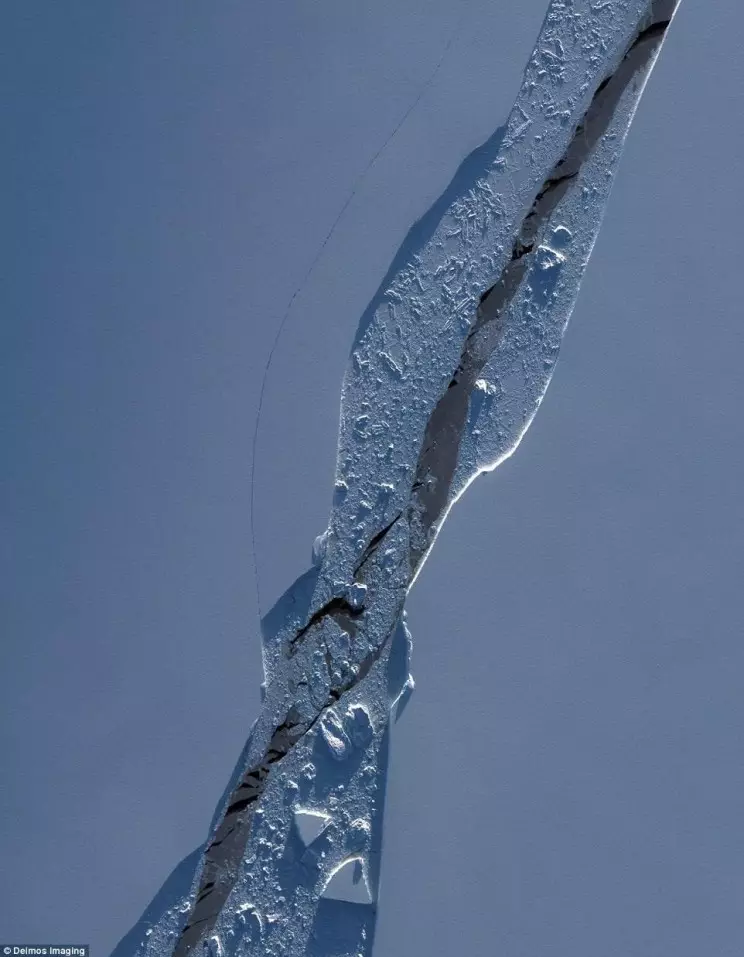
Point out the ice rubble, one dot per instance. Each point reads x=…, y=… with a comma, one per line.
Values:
x=450, y=363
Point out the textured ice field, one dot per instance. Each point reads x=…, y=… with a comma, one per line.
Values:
x=449, y=365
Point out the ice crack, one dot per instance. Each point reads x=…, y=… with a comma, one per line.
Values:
x=453, y=411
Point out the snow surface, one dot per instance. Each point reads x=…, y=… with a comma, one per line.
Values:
x=451, y=361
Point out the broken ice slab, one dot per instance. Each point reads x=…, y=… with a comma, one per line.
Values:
x=335, y=736
x=310, y=824
x=348, y=883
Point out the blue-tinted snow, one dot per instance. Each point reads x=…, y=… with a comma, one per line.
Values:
x=333, y=645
